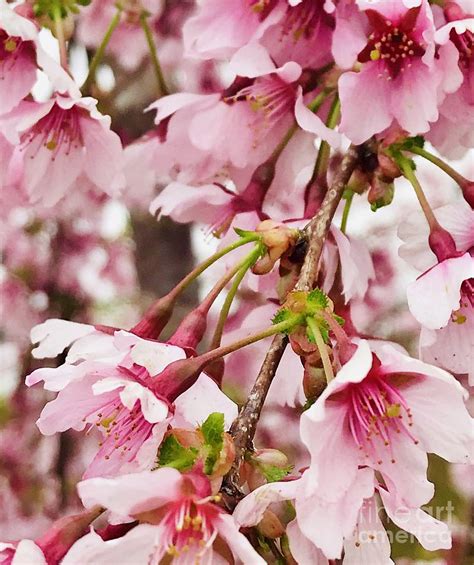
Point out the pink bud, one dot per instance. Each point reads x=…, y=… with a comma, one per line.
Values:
x=56, y=542
x=442, y=243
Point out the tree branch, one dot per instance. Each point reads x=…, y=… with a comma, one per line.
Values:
x=244, y=426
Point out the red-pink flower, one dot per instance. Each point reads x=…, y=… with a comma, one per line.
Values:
x=400, y=79
x=453, y=133
x=386, y=411
x=442, y=298
x=111, y=382
x=61, y=139
x=180, y=521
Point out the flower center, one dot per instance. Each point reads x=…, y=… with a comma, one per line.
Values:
x=465, y=45
x=377, y=411
x=58, y=131
x=189, y=528
x=11, y=49
x=304, y=20
x=394, y=45
x=262, y=7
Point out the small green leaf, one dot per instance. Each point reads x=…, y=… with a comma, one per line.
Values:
x=173, y=454
x=243, y=233
x=213, y=434
x=282, y=316
x=318, y=299
x=339, y=320
x=273, y=473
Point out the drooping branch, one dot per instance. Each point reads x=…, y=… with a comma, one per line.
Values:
x=244, y=426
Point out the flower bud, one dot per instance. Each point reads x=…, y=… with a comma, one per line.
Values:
x=381, y=191
x=270, y=525
x=270, y=457
x=277, y=239
x=314, y=381
x=56, y=542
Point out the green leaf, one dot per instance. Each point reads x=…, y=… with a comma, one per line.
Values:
x=173, y=454
x=415, y=141
x=282, y=316
x=213, y=434
x=317, y=299
x=243, y=233
x=273, y=473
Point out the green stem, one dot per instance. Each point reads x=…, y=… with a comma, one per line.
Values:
x=345, y=212
x=322, y=160
x=457, y=177
x=98, y=55
x=197, y=271
x=154, y=54
x=322, y=347
x=210, y=356
x=246, y=264
x=59, y=32
x=407, y=170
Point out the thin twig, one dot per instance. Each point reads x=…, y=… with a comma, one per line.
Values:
x=244, y=426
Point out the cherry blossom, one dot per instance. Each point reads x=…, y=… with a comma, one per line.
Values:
x=180, y=519
x=61, y=139
x=395, y=46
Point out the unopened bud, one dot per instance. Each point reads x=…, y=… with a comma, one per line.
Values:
x=155, y=319
x=442, y=244
x=56, y=542
x=468, y=192
x=388, y=167
x=270, y=457
x=191, y=330
x=381, y=192
x=270, y=525
x=314, y=381
x=278, y=239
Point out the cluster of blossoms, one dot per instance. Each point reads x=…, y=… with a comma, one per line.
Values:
x=285, y=423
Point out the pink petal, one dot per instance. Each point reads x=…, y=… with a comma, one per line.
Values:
x=364, y=94
x=170, y=104
x=325, y=523
x=28, y=553
x=154, y=356
x=451, y=347
x=72, y=406
x=303, y=550
x=134, y=493
x=21, y=78
x=203, y=398
x=370, y=543
x=309, y=121
x=334, y=455
x=91, y=549
x=237, y=542
x=186, y=203
x=54, y=335
x=431, y=533
x=103, y=159
x=250, y=510
x=436, y=294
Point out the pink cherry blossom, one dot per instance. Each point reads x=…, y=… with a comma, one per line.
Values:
x=446, y=337
x=395, y=45
x=378, y=411
x=61, y=139
x=108, y=381
x=452, y=133
x=324, y=528
x=184, y=520
x=17, y=57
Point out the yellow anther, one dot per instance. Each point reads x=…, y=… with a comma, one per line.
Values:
x=375, y=55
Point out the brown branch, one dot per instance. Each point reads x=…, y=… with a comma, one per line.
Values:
x=244, y=426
